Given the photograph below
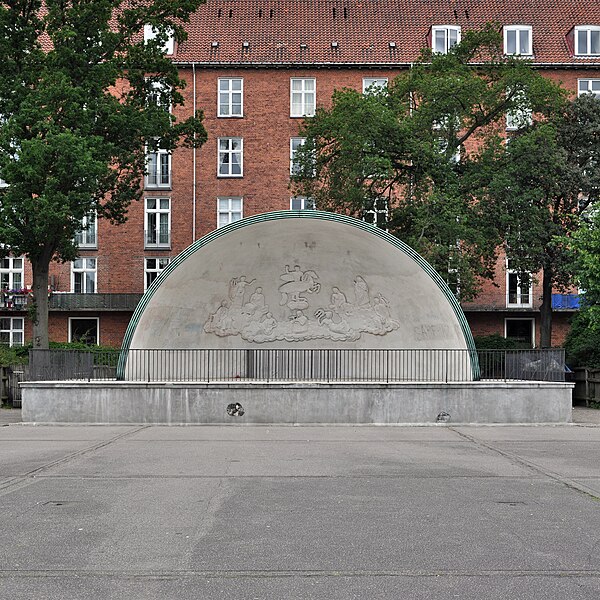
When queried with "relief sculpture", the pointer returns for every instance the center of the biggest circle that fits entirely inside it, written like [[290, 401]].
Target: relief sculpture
[[246, 313]]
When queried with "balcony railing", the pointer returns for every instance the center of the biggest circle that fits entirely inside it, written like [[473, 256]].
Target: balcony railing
[[10, 301], [158, 237], [96, 302]]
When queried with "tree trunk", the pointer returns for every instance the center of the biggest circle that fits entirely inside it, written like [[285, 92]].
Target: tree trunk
[[546, 310], [41, 268]]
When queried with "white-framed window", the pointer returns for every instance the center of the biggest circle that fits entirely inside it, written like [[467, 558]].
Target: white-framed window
[[521, 330], [87, 237], [231, 157], [150, 33], [443, 146], [444, 37], [588, 86], [229, 210], [518, 40], [11, 273], [158, 168], [231, 97], [83, 275], [518, 288], [295, 143], [158, 223], [518, 118], [12, 331], [587, 40], [302, 203], [303, 96], [158, 94], [374, 84], [152, 269], [378, 214], [84, 329]]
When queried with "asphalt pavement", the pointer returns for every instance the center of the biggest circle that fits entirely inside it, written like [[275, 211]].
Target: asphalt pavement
[[203, 512]]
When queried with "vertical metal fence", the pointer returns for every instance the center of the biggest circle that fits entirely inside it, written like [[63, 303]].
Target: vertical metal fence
[[298, 365]]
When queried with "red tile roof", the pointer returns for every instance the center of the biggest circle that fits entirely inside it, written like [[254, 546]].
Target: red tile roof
[[301, 31]]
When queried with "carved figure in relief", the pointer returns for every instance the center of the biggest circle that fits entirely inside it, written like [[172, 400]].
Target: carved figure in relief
[[341, 320], [237, 288], [296, 283], [361, 291]]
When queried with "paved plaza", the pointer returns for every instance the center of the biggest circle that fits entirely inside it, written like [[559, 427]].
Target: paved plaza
[[148, 512]]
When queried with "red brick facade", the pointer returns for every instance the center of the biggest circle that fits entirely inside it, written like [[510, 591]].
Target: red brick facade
[[289, 39]]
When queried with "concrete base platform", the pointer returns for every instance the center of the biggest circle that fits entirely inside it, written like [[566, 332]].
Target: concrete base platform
[[121, 402]]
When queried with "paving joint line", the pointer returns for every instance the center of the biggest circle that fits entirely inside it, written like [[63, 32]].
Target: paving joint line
[[532, 466], [290, 573], [28, 478]]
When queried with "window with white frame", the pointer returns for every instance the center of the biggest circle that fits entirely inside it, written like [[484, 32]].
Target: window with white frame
[[153, 268], [83, 276], [12, 331], [520, 330], [589, 86], [87, 237], [443, 147], [158, 223], [231, 97], [587, 40], [231, 157], [151, 33], [85, 330], [295, 143], [158, 94], [517, 118], [518, 287], [518, 40], [378, 214], [374, 84], [158, 168], [229, 210], [302, 203], [11, 273], [444, 37], [303, 96]]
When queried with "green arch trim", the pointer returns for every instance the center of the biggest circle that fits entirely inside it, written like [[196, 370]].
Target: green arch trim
[[302, 214]]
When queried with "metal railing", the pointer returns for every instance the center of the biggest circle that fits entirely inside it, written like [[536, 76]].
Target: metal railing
[[299, 365]]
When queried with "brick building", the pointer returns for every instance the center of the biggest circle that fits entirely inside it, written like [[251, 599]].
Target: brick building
[[255, 68]]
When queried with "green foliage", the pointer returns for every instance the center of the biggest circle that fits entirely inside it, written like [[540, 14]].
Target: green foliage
[[12, 356], [583, 341], [78, 89], [398, 148]]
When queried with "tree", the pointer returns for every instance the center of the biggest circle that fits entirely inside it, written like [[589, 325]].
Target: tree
[[82, 96], [410, 152], [541, 184]]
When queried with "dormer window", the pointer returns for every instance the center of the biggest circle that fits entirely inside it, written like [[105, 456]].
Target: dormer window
[[587, 40], [444, 37], [150, 33], [518, 40]]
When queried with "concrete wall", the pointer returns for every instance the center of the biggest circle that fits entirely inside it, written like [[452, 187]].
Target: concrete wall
[[169, 403]]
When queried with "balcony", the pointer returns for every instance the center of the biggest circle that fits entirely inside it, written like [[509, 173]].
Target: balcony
[[565, 301], [93, 302], [10, 301]]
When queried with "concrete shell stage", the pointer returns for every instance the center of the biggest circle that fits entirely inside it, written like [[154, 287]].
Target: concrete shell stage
[[307, 280], [302, 280]]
